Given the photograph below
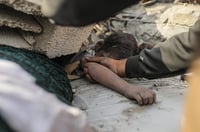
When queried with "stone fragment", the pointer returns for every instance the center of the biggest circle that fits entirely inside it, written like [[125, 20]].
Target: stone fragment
[[23, 6], [185, 15], [56, 41], [12, 37], [15, 19], [28, 37]]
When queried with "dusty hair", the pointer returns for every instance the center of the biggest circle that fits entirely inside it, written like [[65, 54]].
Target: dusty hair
[[117, 46]]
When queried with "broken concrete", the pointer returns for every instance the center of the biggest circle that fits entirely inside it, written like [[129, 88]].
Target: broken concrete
[[185, 15], [15, 19], [28, 37], [155, 23], [23, 6], [12, 37], [57, 41]]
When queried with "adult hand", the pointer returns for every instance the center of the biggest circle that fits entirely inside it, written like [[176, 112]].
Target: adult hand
[[116, 66]]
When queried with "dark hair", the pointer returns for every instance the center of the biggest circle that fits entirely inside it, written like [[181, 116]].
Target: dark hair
[[117, 46]]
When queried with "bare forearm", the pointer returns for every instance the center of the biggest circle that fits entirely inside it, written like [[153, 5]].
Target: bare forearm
[[107, 78]]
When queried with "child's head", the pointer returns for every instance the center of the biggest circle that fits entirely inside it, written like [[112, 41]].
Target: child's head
[[117, 46]]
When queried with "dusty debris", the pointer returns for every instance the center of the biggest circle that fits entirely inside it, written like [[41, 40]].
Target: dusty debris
[[28, 37], [23, 6], [153, 24], [12, 37], [15, 19], [56, 40], [36, 32]]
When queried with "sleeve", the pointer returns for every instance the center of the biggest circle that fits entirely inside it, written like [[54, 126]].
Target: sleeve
[[170, 58], [84, 12]]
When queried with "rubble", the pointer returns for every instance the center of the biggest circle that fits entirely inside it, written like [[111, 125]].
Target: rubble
[[23, 6], [12, 37], [27, 28], [57, 41], [14, 19], [153, 24]]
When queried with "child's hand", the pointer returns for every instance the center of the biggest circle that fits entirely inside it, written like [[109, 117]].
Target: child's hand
[[143, 96]]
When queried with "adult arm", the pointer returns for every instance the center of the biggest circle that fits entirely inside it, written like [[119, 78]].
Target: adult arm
[[169, 58]]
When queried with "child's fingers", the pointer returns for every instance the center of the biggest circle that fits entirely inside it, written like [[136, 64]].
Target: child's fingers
[[154, 97], [151, 100], [145, 98], [138, 98]]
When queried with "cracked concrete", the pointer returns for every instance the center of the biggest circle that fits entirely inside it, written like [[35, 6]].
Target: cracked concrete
[[15, 19], [23, 6], [57, 41], [12, 37], [54, 41]]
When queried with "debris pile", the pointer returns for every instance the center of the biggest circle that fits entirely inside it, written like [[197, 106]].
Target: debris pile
[[150, 24], [22, 25]]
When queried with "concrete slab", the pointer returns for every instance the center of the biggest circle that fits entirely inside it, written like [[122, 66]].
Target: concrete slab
[[12, 37], [56, 41], [110, 112], [15, 19], [23, 6]]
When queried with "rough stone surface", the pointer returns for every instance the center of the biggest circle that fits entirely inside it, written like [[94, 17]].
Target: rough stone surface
[[23, 6], [157, 22], [57, 41], [15, 19], [28, 37], [177, 19], [185, 15], [12, 37]]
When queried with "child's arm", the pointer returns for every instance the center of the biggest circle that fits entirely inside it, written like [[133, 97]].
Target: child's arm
[[109, 79]]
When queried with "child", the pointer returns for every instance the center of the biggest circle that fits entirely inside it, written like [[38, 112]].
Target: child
[[118, 46]]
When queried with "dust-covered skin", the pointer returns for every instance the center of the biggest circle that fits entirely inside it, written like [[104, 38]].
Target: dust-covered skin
[[106, 77], [116, 66]]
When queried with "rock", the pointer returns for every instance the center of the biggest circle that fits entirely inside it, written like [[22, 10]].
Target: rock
[[15, 19], [12, 37], [56, 41], [185, 15], [177, 19], [28, 37], [23, 6]]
